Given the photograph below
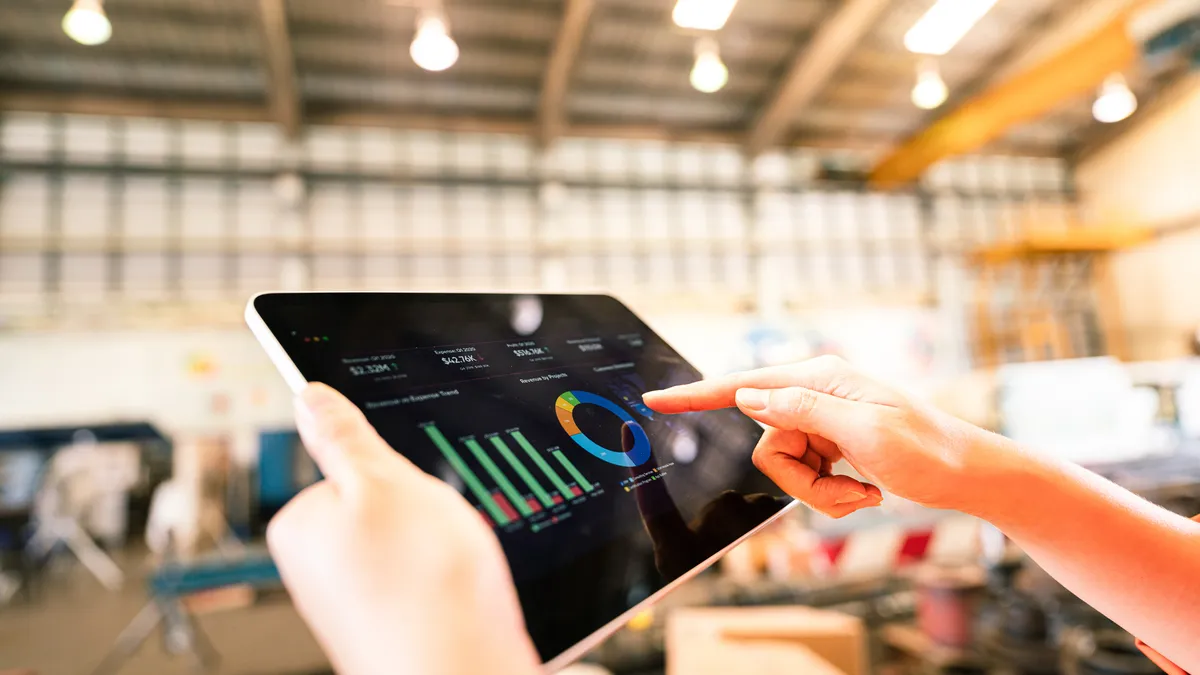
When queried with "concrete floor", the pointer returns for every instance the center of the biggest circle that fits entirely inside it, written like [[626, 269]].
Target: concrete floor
[[72, 622]]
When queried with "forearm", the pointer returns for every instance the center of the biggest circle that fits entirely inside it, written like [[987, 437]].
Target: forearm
[[1136, 563]]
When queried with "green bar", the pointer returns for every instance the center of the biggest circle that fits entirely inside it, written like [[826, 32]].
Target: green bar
[[457, 463], [570, 398], [515, 463], [494, 471], [541, 464], [579, 479]]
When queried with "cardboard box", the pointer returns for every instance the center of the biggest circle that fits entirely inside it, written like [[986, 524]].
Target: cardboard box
[[776, 639]]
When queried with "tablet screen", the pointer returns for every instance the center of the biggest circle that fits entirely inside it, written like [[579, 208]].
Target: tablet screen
[[531, 407]]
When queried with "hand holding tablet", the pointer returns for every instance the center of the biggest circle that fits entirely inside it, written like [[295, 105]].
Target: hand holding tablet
[[393, 571]]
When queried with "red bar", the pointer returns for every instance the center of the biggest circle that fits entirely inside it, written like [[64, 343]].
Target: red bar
[[557, 499], [505, 506], [534, 504], [575, 491], [485, 517]]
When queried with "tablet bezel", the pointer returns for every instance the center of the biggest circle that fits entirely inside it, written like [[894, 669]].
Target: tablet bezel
[[297, 382]]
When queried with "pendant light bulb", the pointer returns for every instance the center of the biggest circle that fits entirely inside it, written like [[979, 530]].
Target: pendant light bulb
[[1115, 101], [930, 90], [86, 23], [433, 49], [709, 73]]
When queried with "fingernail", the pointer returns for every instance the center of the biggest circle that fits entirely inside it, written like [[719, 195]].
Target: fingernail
[[851, 496], [318, 398], [752, 399]]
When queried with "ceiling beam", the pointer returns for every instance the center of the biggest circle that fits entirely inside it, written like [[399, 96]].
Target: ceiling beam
[[124, 106], [232, 111], [811, 69], [1077, 64], [283, 90], [551, 114]]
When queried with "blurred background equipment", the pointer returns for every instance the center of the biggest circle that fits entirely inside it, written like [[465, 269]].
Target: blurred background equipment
[[991, 203]]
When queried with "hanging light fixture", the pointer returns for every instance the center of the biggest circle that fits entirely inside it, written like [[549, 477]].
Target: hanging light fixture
[[702, 14], [86, 23], [930, 90], [709, 73], [1115, 101], [433, 48]]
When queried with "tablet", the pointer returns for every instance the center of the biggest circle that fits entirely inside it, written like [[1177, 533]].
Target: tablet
[[530, 405]]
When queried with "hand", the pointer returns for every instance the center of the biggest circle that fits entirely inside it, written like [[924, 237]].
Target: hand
[[820, 411], [392, 569]]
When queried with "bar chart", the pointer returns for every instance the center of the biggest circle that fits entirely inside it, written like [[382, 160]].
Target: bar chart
[[505, 487]]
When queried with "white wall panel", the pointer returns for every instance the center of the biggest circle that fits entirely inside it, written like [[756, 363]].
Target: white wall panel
[[471, 153], [255, 209], [202, 275], [257, 272], [474, 210], [428, 222], [613, 209], [83, 276], [145, 209], [694, 214], [520, 270], [144, 276], [327, 148], [330, 214], [85, 207], [431, 272], [517, 213], [257, 144], [88, 138], [26, 136], [381, 271], [424, 151], [728, 217], [333, 271], [202, 210], [377, 149], [654, 214], [147, 141], [23, 205], [21, 274], [204, 144], [380, 218], [478, 270]]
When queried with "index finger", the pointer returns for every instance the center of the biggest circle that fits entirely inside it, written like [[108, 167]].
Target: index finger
[[719, 392]]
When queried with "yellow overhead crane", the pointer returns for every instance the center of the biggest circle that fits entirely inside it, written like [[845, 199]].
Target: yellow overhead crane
[[1073, 71]]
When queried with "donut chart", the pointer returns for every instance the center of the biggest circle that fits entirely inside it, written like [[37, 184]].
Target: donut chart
[[565, 407]]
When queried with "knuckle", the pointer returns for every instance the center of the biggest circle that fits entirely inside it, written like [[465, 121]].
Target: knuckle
[[342, 427], [759, 459], [799, 401]]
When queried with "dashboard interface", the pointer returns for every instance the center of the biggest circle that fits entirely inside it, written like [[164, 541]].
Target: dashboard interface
[[531, 407]]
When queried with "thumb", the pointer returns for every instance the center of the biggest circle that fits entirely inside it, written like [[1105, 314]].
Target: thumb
[[337, 435], [800, 409]]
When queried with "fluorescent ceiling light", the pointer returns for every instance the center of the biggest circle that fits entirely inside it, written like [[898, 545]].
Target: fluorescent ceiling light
[[702, 14], [939, 29]]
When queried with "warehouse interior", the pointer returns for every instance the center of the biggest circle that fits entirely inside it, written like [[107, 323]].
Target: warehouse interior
[[993, 204]]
